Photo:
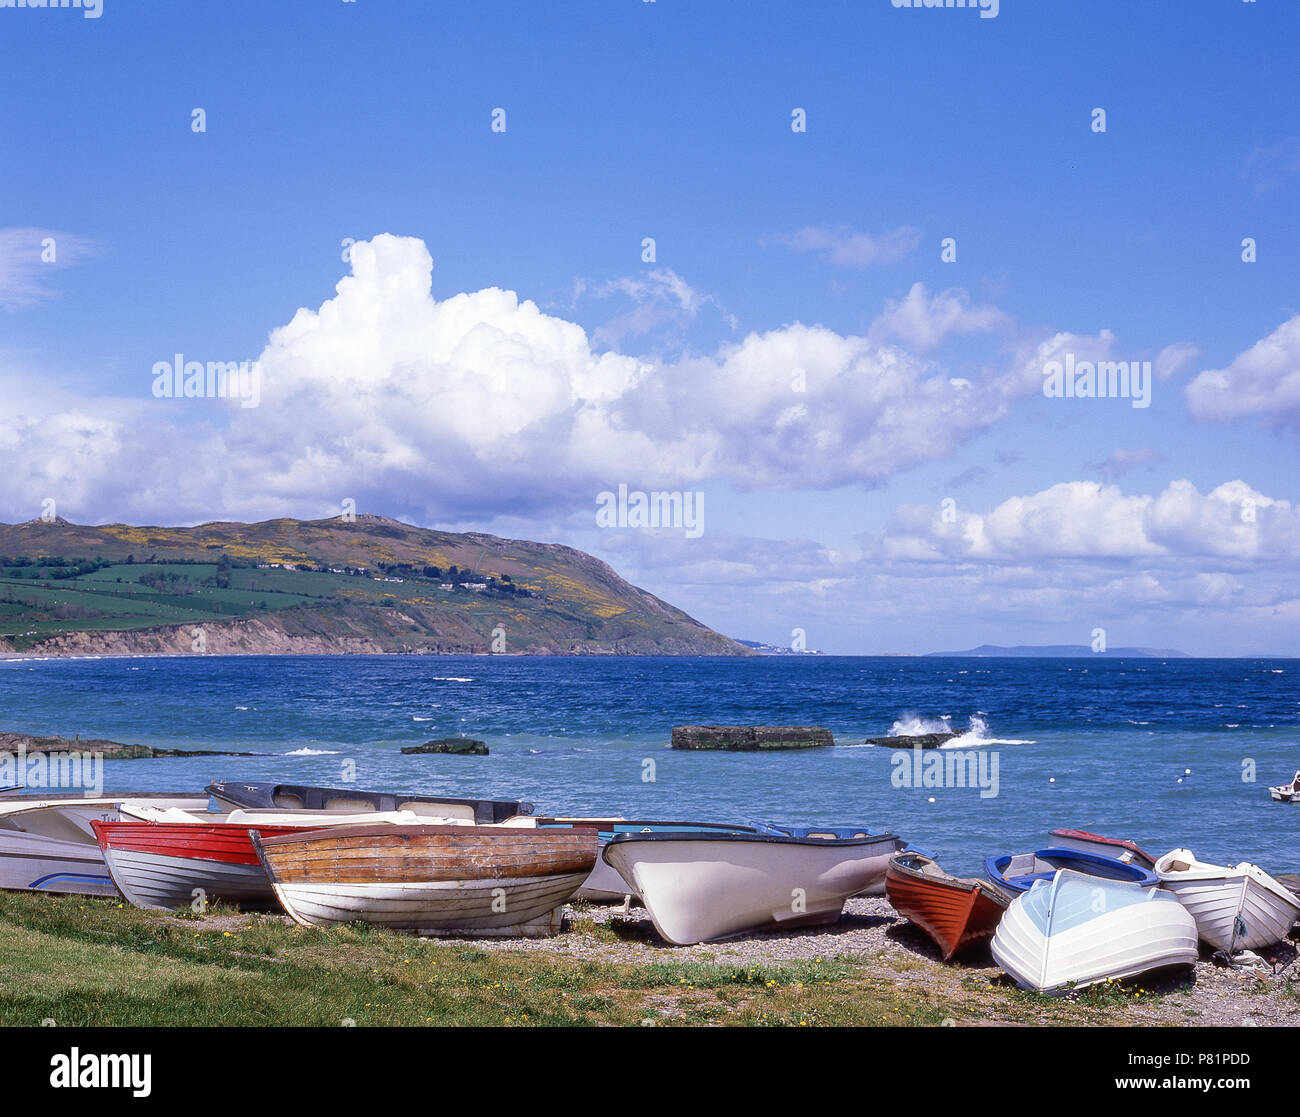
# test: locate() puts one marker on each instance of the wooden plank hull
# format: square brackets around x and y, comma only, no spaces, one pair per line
[957,914]
[431,880]
[509,906]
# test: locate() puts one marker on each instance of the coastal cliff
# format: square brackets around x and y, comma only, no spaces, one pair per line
[369,585]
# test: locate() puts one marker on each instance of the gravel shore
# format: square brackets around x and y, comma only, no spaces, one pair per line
[876,938]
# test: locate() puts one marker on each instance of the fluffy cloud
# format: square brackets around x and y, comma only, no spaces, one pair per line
[923,321]
[1264,380]
[1085,519]
[867,600]
[481,404]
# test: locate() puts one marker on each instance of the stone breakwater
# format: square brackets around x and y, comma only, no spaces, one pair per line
[110,750]
[749,738]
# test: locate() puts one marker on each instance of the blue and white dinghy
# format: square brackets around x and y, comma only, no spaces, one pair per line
[1077,929]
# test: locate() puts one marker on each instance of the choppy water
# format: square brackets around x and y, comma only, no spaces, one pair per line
[574,735]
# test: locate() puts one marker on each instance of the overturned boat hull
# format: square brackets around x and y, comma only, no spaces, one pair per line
[1077,930]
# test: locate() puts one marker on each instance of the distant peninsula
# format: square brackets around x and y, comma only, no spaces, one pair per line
[359,584]
[1062,651]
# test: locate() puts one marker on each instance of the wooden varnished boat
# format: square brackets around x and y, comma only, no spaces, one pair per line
[431,880]
[956,913]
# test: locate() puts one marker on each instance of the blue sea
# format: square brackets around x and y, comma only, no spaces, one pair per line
[1167,752]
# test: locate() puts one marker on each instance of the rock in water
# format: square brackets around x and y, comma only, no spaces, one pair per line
[109,750]
[463,746]
[749,738]
[916,741]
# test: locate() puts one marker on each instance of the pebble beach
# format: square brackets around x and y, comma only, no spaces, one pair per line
[874,936]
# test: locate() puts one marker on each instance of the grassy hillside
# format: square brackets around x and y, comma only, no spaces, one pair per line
[370,585]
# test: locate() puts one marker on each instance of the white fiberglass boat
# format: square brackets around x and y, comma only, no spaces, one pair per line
[702,886]
[1287,792]
[1076,930]
[47,844]
[1236,908]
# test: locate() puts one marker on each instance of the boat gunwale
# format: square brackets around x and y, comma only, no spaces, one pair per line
[776,839]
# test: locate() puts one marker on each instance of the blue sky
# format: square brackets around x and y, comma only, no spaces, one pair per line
[775,250]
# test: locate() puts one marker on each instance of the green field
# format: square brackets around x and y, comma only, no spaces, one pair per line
[369,584]
[115,598]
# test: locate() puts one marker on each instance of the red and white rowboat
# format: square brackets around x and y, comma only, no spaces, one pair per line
[192,863]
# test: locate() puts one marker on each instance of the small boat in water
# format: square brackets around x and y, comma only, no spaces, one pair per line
[296,797]
[1287,792]
[1119,848]
[430,880]
[177,859]
[1236,907]
[956,913]
[698,887]
[47,843]
[1018,872]
[1075,929]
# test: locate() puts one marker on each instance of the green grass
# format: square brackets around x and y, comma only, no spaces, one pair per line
[122,602]
[82,961]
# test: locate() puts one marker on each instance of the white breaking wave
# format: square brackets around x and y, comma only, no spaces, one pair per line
[911,725]
[452,679]
[976,736]
[312,752]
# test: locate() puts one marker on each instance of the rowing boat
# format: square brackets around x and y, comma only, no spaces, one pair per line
[957,913]
[430,880]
